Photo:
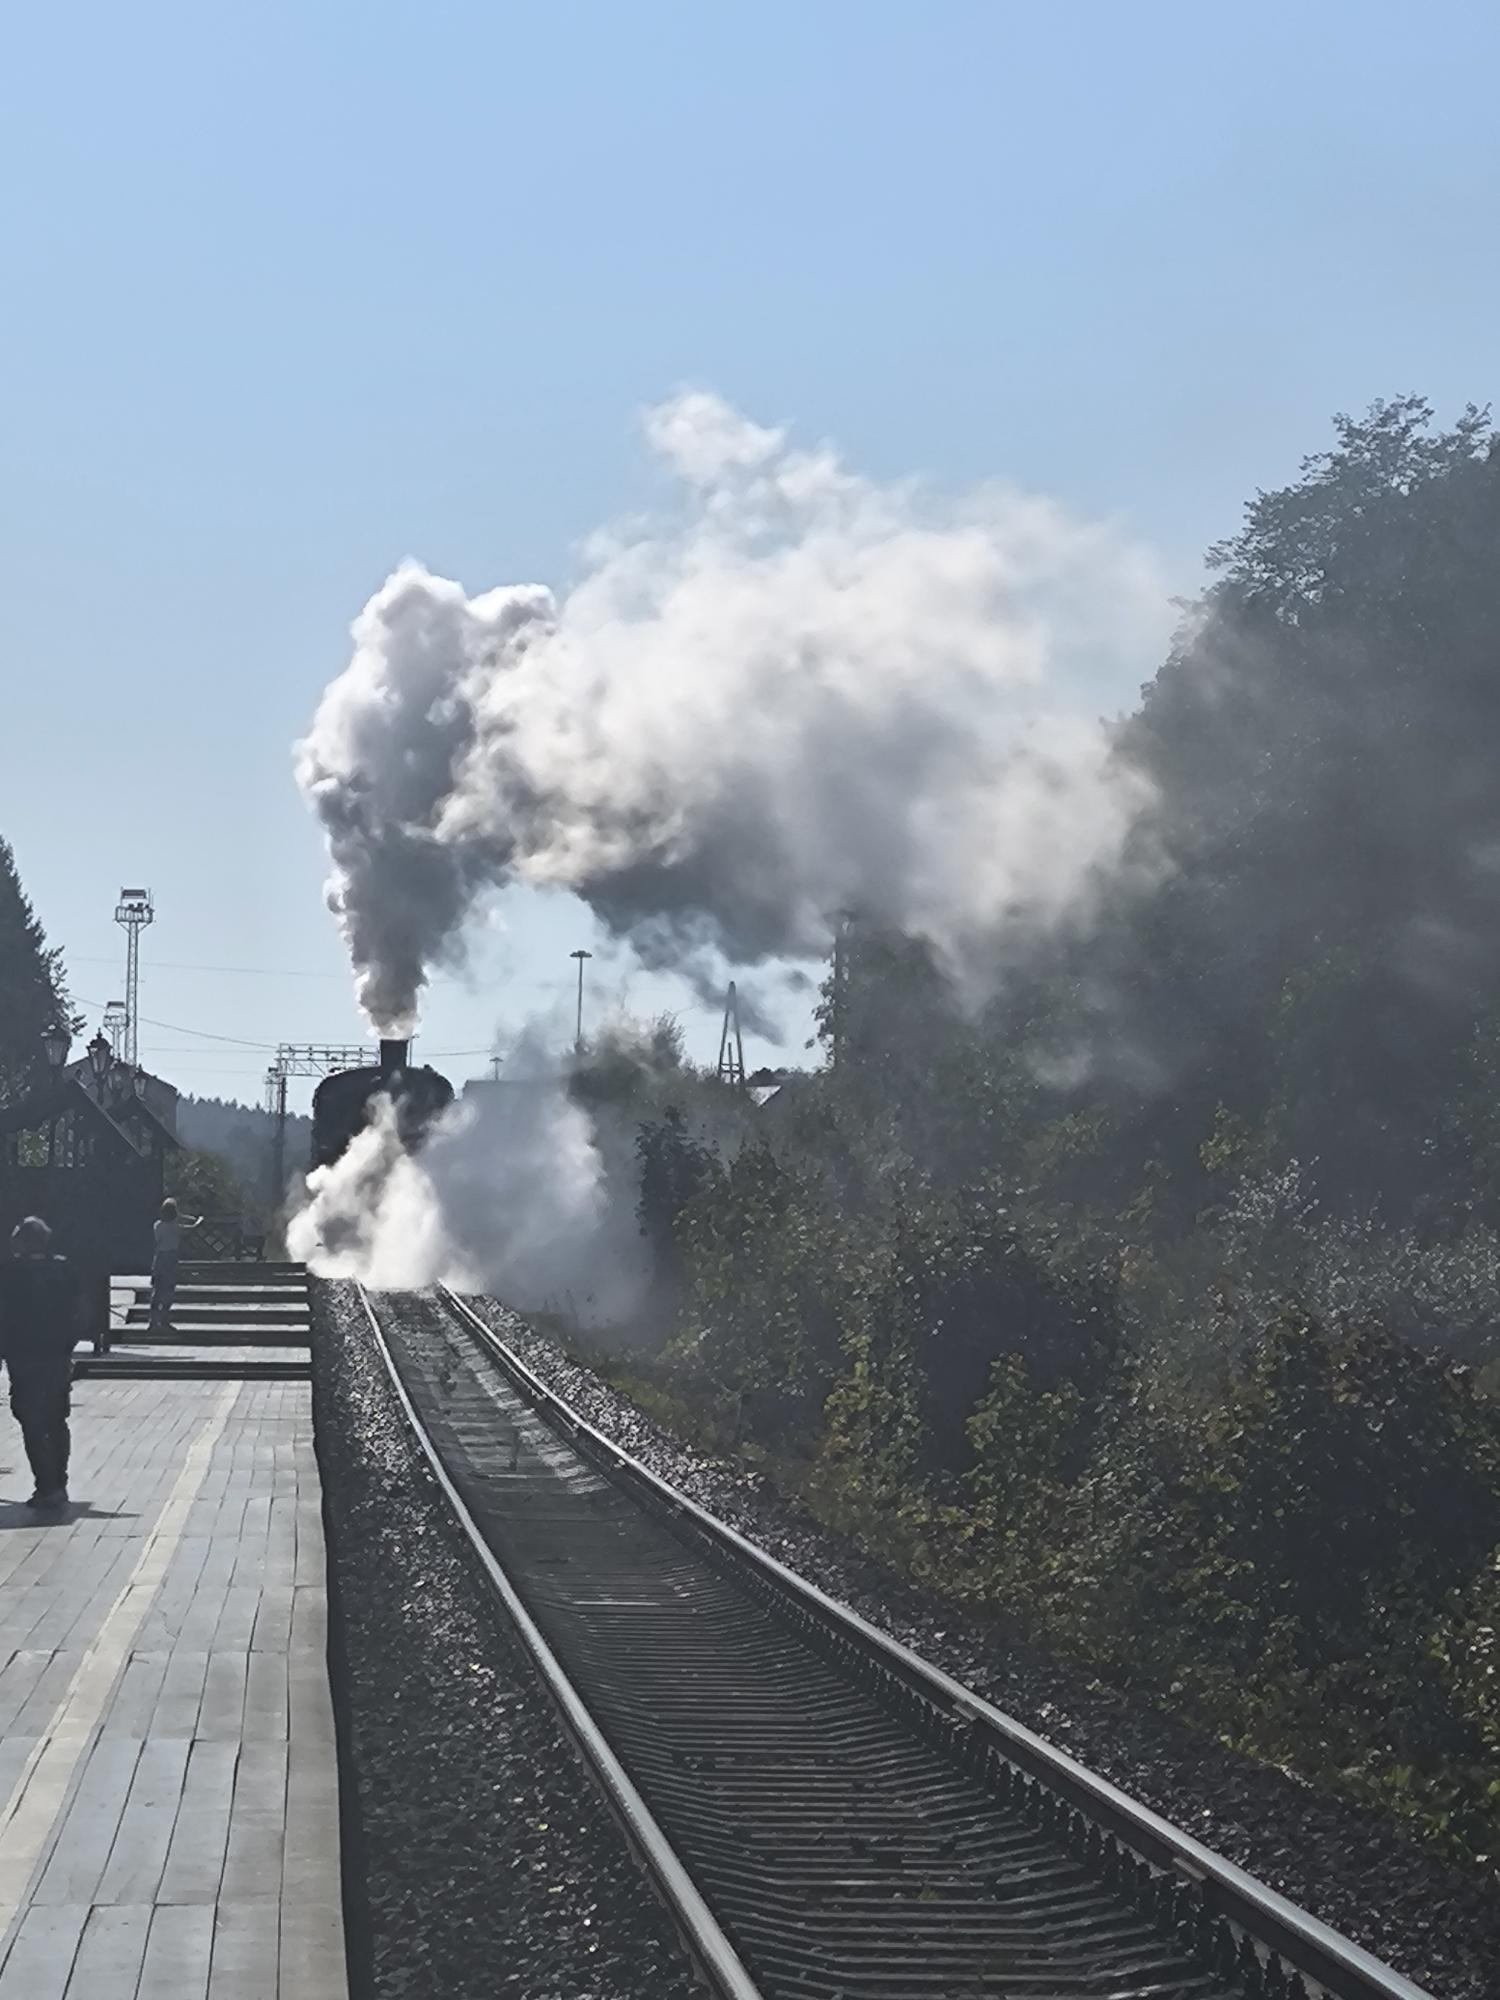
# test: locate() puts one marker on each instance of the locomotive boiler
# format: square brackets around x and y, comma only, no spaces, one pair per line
[343,1104]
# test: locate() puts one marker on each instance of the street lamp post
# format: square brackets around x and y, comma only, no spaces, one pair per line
[101,1060]
[101,1056]
[578,1032]
[56,1042]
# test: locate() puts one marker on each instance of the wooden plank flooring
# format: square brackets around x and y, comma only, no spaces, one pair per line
[168,1784]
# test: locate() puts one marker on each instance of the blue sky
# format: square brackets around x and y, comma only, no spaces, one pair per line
[294,291]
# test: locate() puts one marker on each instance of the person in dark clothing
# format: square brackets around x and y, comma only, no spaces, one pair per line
[39,1326]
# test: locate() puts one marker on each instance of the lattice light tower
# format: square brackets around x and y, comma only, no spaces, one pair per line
[116,1014]
[133,913]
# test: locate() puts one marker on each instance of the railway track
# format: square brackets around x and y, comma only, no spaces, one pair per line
[828,1817]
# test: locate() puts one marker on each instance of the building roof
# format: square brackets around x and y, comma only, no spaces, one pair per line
[128,1121]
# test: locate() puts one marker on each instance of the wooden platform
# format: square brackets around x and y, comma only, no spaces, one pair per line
[168,1782]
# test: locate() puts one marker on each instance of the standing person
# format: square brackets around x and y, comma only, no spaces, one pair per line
[166,1248]
[39,1325]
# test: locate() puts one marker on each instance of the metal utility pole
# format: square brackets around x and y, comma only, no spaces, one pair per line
[134,911]
[303,1059]
[276,1077]
[838,1017]
[731,1048]
[578,1032]
[278,1138]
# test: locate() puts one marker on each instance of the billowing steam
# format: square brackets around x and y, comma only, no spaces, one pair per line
[805,692]
[519,1190]
[802,693]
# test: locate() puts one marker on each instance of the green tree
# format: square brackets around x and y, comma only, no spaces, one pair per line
[1312,537]
[1322,741]
[206,1183]
[674,1165]
[33,987]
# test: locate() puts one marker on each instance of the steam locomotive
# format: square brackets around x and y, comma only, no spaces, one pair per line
[342,1103]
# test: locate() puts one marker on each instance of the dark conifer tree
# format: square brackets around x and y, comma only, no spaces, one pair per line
[33,986]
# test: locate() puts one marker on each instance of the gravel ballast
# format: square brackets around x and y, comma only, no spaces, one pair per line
[480,1858]
[1348,1865]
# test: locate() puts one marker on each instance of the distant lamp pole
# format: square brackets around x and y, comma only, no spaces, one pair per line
[578,1032]
[101,1060]
[55,1044]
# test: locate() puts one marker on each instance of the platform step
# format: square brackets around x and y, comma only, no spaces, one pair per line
[231,1289]
[239,1271]
[193,1367]
[277,1288]
[234,1304]
[189,1333]
[207,1312]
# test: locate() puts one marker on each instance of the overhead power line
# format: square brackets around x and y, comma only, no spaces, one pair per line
[242,1042]
[239,971]
[198,1034]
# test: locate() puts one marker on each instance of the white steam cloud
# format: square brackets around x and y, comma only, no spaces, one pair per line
[517,1191]
[804,692]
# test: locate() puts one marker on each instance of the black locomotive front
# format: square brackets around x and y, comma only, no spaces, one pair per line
[342,1104]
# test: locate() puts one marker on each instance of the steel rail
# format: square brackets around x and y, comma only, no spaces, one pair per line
[965,1721]
[700,1928]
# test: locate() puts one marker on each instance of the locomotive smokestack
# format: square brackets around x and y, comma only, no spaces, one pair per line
[393,1057]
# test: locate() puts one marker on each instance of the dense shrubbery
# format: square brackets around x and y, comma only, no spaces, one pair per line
[1155,1308]
[1298,1545]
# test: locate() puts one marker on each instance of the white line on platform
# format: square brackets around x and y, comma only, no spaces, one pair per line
[40,1792]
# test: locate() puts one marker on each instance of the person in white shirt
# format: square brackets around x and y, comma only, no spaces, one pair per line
[165,1250]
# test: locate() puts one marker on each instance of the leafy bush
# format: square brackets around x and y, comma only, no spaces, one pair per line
[1297,1548]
